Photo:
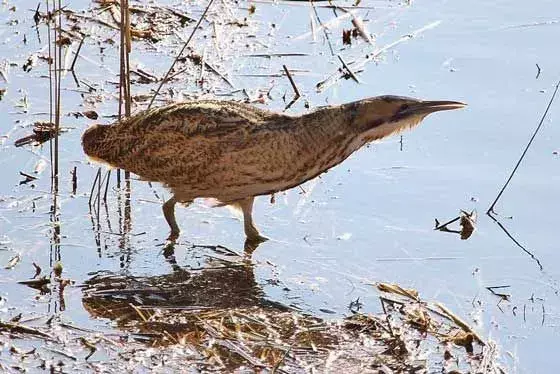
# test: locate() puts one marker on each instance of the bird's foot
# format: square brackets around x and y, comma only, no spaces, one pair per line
[252,242]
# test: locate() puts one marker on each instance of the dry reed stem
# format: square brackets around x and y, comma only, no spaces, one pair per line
[323,27]
[126,47]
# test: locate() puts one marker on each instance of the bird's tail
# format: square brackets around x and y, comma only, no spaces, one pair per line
[95,143]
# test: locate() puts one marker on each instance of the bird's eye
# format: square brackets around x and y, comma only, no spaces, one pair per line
[404,107]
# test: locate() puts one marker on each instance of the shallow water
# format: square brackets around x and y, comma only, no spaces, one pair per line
[370,219]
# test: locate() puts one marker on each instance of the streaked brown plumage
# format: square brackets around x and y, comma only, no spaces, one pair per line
[233,152]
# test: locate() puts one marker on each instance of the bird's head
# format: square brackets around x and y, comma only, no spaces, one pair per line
[381,116]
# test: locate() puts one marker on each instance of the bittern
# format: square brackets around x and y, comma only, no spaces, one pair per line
[233,151]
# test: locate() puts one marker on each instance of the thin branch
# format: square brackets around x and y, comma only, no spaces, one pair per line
[76,55]
[97,176]
[444,225]
[180,54]
[350,72]
[491,209]
[296,91]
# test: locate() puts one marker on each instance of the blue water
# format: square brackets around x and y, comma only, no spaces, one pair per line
[371,218]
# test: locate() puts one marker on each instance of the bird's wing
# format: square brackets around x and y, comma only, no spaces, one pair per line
[182,141]
[206,118]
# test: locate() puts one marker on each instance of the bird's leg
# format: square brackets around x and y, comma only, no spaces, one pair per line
[250,230]
[169,213]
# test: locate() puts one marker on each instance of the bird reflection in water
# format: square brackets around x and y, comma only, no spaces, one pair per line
[218,318]
[224,281]
[169,308]
[234,152]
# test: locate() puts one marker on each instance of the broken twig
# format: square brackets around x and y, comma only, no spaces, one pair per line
[296,91]
[491,209]
[348,70]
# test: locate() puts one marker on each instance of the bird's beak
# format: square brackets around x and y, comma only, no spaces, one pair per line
[427,107]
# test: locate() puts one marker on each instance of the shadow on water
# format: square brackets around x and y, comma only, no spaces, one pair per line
[219,301]
[220,284]
[515,241]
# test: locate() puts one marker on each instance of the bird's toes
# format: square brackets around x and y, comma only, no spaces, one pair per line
[173,236]
[260,239]
[253,241]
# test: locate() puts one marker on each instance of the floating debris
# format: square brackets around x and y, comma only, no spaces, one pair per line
[396,289]
[39,284]
[13,262]
[467,221]
[28,178]
[30,63]
[346,37]
[42,132]
[501,295]
[37,270]
[40,166]
[90,114]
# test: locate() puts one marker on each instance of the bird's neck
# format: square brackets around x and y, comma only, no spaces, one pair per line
[333,124]
[329,121]
[328,136]
[356,124]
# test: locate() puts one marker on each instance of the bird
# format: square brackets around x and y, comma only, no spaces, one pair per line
[232,151]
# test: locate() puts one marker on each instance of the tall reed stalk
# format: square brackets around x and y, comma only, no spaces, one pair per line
[54,27]
[125,97]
